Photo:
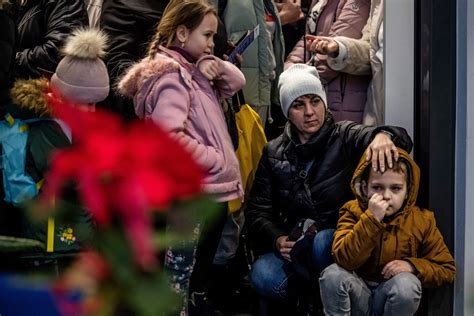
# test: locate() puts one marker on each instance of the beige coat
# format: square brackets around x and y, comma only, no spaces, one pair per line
[362,59]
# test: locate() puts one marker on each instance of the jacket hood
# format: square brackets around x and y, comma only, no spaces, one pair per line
[413,180]
[138,78]
[29,97]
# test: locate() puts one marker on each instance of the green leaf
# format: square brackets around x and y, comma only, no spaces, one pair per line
[13,244]
[115,247]
[151,295]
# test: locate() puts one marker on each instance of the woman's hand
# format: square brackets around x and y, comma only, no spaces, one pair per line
[284,246]
[322,45]
[289,12]
[381,150]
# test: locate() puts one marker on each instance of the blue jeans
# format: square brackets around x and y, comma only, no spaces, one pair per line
[272,275]
[343,292]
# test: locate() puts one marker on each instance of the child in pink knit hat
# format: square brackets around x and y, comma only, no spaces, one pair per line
[80,79]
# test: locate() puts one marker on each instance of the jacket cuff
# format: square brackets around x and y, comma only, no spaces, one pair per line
[207,57]
[338,62]
[416,266]
[374,225]
[278,235]
[386,130]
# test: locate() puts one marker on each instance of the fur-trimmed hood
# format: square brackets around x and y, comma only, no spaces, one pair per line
[136,76]
[139,79]
[30,96]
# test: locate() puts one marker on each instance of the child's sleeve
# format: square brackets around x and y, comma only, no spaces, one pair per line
[355,237]
[230,79]
[435,264]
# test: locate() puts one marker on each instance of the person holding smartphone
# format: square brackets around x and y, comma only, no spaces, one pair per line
[263,60]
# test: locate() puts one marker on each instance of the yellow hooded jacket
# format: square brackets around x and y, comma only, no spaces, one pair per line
[365,245]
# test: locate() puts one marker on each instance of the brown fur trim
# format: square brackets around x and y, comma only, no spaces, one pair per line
[30,95]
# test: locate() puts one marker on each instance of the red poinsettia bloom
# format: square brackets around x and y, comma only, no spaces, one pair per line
[122,170]
[83,276]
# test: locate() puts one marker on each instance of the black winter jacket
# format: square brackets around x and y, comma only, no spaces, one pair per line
[130,25]
[280,195]
[10,219]
[43,25]
[7,53]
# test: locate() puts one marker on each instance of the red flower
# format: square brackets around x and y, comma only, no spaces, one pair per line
[122,170]
[83,276]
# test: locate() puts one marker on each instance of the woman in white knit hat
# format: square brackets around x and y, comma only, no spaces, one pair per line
[304,175]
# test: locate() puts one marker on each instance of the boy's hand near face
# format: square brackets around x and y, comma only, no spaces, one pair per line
[378,206]
[395,267]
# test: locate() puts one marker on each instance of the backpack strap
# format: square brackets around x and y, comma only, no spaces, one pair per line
[222,4]
[303,174]
[50,235]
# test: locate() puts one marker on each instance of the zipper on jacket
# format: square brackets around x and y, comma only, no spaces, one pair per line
[382,237]
[395,228]
[342,85]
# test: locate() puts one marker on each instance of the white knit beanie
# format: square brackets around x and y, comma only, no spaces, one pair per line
[298,80]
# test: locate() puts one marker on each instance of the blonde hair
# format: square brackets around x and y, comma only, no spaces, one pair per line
[188,13]
[400,166]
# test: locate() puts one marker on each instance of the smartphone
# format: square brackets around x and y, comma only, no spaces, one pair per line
[232,46]
[243,43]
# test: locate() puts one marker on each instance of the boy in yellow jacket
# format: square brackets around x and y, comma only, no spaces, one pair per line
[385,248]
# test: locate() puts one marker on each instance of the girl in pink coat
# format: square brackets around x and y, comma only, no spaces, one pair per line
[179,86]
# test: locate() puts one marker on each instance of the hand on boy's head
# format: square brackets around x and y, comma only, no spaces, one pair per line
[378,206]
[284,246]
[395,267]
[209,68]
[381,150]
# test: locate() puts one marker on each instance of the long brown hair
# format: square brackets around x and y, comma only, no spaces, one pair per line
[189,13]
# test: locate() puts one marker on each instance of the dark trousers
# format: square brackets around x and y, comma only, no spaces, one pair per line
[207,245]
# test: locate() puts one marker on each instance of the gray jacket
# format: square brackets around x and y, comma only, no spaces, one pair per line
[243,15]
[364,56]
